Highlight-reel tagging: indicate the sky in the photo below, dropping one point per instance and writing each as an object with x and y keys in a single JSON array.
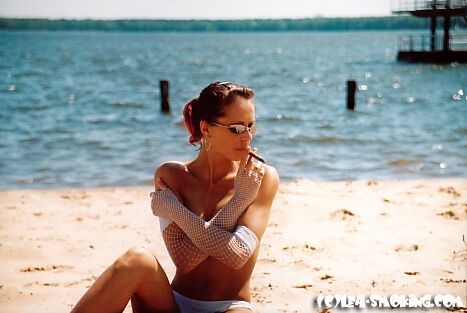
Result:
[{"x": 191, "y": 9}]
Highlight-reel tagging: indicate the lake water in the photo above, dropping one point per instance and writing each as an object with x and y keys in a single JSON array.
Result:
[{"x": 82, "y": 109}]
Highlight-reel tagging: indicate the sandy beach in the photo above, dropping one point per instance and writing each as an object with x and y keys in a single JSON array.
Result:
[{"x": 355, "y": 237}]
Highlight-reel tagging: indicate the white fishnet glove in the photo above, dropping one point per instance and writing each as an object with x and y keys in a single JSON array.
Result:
[{"x": 184, "y": 253}]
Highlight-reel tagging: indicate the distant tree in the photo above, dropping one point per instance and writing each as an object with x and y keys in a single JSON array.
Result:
[{"x": 307, "y": 24}]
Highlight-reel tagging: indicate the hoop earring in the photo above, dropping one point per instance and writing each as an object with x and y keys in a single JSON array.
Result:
[{"x": 206, "y": 145}]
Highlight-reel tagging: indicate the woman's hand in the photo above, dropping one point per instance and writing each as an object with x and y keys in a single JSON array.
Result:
[
  {"x": 161, "y": 197},
  {"x": 248, "y": 179}
]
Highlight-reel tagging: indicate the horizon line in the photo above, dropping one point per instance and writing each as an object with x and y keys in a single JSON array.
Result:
[{"x": 194, "y": 19}]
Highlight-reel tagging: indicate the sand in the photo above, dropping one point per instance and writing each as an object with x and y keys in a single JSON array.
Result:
[{"x": 355, "y": 237}]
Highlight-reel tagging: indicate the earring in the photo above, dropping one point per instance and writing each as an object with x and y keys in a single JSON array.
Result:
[{"x": 206, "y": 145}]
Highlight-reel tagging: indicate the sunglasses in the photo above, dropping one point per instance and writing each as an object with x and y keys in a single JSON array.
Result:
[{"x": 237, "y": 129}]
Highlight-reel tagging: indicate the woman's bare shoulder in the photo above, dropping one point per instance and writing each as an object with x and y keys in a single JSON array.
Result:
[
  {"x": 171, "y": 167},
  {"x": 270, "y": 174},
  {"x": 172, "y": 173},
  {"x": 270, "y": 183}
]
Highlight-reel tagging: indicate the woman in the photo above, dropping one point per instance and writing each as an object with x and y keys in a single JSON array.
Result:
[{"x": 213, "y": 212}]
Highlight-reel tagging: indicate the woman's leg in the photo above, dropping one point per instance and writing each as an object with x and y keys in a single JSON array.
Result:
[{"x": 135, "y": 275}]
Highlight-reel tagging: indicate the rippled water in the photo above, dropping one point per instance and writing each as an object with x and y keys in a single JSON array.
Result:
[{"x": 82, "y": 108}]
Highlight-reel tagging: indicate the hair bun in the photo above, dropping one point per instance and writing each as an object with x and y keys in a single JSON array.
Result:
[{"x": 191, "y": 119}]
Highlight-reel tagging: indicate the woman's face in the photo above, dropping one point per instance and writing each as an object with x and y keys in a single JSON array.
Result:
[{"x": 226, "y": 143}]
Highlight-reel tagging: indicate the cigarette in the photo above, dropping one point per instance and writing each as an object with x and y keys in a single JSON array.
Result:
[{"x": 257, "y": 157}]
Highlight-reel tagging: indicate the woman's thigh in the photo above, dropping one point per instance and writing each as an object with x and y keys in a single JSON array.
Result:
[
  {"x": 154, "y": 292},
  {"x": 135, "y": 275}
]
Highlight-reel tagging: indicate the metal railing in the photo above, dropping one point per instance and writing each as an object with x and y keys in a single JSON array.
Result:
[
  {"x": 415, "y": 5},
  {"x": 457, "y": 42}
]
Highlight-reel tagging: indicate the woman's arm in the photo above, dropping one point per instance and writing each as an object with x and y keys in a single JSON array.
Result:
[
  {"x": 216, "y": 242},
  {"x": 185, "y": 255},
  {"x": 231, "y": 248},
  {"x": 183, "y": 252},
  {"x": 256, "y": 217}
]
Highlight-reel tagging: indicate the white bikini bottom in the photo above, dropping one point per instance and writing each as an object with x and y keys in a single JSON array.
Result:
[{"x": 187, "y": 305}]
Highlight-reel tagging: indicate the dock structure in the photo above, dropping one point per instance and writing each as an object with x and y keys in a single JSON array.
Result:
[{"x": 433, "y": 48}]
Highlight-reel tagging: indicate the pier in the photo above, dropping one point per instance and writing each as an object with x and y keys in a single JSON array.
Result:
[{"x": 433, "y": 48}]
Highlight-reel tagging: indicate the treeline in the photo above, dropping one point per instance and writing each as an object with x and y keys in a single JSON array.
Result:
[{"x": 309, "y": 24}]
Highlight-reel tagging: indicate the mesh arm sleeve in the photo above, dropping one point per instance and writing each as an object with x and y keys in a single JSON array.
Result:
[
  {"x": 227, "y": 247},
  {"x": 184, "y": 253},
  {"x": 246, "y": 186}
]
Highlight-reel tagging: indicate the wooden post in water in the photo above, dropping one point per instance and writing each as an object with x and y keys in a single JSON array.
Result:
[
  {"x": 351, "y": 87},
  {"x": 165, "y": 106},
  {"x": 447, "y": 24},
  {"x": 433, "y": 27}
]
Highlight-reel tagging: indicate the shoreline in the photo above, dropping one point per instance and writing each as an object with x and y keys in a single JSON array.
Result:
[
  {"x": 284, "y": 181},
  {"x": 324, "y": 237}
]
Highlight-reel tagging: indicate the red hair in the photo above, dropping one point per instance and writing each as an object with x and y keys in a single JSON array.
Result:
[
  {"x": 191, "y": 121},
  {"x": 210, "y": 105}
]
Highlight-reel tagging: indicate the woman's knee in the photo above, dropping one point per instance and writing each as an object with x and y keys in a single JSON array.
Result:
[{"x": 137, "y": 260}]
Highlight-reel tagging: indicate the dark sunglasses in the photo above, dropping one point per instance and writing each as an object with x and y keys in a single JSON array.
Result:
[{"x": 237, "y": 129}]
